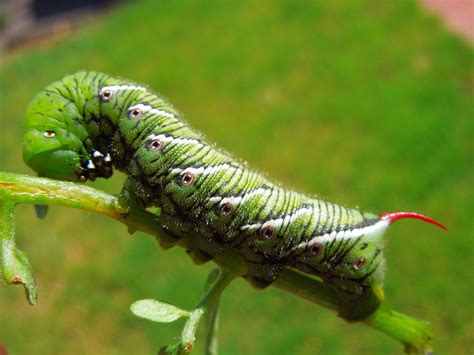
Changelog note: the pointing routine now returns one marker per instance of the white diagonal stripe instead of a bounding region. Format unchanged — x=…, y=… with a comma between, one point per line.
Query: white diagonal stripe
x=279, y=222
x=115, y=88
x=201, y=170
x=215, y=199
x=370, y=231
x=237, y=200
x=152, y=110
x=233, y=200
x=167, y=139
x=248, y=196
x=251, y=226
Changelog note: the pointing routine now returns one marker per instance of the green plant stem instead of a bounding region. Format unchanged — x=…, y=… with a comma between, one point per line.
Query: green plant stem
x=212, y=317
x=414, y=334
x=208, y=302
x=212, y=326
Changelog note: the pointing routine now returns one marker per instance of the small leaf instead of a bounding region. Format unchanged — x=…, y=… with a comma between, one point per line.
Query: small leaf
x=157, y=311
x=16, y=268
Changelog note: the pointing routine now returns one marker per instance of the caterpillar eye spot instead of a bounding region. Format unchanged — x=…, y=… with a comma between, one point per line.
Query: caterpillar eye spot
x=187, y=179
x=155, y=145
x=358, y=263
x=49, y=134
x=315, y=249
x=226, y=209
x=105, y=95
x=268, y=231
x=134, y=113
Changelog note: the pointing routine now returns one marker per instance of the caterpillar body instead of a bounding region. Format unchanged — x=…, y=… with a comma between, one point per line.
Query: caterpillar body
x=83, y=126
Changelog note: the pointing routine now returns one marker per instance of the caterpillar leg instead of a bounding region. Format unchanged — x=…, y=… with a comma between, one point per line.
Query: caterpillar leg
x=172, y=232
x=261, y=276
x=126, y=199
x=199, y=256
x=203, y=249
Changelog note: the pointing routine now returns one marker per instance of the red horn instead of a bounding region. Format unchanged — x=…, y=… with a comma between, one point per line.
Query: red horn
x=395, y=216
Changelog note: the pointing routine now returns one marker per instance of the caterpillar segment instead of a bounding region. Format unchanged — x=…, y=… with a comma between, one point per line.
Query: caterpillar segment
x=82, y=126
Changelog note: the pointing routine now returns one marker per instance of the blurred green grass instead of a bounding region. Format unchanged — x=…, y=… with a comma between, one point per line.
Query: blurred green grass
x=369, y=104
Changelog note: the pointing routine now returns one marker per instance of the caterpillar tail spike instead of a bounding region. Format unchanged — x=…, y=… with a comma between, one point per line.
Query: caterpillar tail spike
x=395, y=216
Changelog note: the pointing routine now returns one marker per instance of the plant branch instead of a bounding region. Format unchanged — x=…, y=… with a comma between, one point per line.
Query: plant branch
x=208, y=302
x=212, y=317
x=414, y=334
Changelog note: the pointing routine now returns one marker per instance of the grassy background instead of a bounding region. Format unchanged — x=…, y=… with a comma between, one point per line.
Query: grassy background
x=367, y=103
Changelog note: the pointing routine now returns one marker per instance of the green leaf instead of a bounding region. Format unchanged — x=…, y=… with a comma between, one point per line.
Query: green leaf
x=157, y=311
x=16, y=268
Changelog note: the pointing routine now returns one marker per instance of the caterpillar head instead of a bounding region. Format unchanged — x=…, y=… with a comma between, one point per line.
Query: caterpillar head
x=58, y=141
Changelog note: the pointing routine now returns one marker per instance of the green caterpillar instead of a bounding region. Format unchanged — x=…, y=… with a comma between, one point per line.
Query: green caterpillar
x=81, y=127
